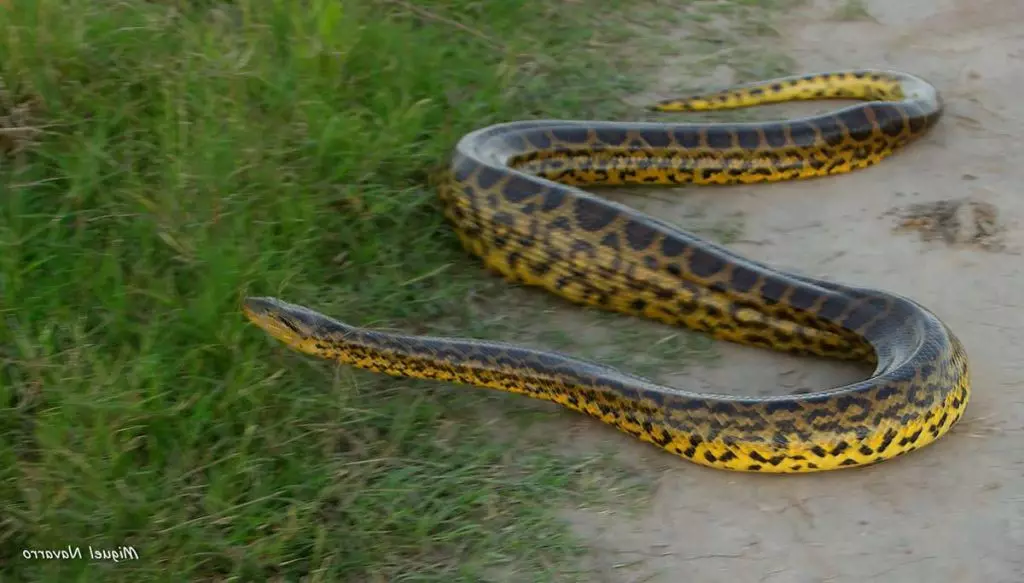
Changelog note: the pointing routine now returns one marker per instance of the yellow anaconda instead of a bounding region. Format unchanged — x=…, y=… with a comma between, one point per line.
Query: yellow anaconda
x=509, y=193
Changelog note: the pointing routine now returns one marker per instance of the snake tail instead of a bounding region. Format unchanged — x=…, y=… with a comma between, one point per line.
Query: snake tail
x=864, y=85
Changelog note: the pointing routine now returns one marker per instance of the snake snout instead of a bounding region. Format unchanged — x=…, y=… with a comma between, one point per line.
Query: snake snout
x=298, y=319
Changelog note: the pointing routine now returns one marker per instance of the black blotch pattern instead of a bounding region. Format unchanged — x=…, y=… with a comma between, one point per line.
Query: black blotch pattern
x=857, y=123
x=687, y=138
x=572, y=135
x=518, y=189
x=639, y=236
x=748, y=139
x=719, y=138
x=742, y=279
x=612, y=136
x=704, y=264
x=592, y=215
x=832, y=308
x=611, y=240
x=553, y=198
x=657, y=139
x=803, y=298
x=890, y=119
x=775, y=136
x=672, y=246
x=831, y=130
x=803, y=133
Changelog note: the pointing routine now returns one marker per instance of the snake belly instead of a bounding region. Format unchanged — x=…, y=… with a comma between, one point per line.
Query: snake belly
x=511, y=194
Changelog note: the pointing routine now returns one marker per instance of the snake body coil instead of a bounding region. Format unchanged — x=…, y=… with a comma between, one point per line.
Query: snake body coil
x=509, y=194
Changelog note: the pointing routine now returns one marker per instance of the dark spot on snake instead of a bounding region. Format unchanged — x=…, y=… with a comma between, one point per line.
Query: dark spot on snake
x=840, y=448
x=776, y=87
x=710, y=457
x=860, y=316
x=748, y=139
x=638, y=235
x=561, y=224
x=727, y=457
x=638, y=305
x=571, y=135
x=672, y=246
x=885, y=392
x=918, y=123
x=742, y=279
x=704, y=264
x=687, y=138
x=757, y=457
x=657, y=138
x=804, y=134
x=514, y=258
x=726, y=408
x=844, y=402
x=754, y=467
x=857, y=123
x=611, y=240
x=832, y=308
x=592, y=215
x=832, y=130
x=553, y=198
x=819, y=451
x=890, y=119
x=581, y=246
x=911, y=438
x=887, y=439
x=487, y=176
x=775, y=136
x=848, y=462
x=773, y=407
x=779, y=439
x=612, y=136
x=674, y=269
x=757, y=91
x=803, y=298
x=518, y=189
x=664, y=294
x=504, y=219
x=540, y=268
x=719, y=138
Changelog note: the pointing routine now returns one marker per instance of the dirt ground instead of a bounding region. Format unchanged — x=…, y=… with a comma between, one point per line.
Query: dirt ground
x=955, y=510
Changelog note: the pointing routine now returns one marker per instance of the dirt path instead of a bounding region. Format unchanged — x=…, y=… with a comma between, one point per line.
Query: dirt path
x=951, y=512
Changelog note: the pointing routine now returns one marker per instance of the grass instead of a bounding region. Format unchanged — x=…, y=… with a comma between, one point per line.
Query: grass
x=163, y=159
x=160, y=160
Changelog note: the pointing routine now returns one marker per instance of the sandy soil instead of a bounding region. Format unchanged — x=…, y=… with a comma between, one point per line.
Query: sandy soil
x=955, y=510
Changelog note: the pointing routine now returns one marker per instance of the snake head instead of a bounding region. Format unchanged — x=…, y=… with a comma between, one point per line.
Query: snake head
x=297, y=326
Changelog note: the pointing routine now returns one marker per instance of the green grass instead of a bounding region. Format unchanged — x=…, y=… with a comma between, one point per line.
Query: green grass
x=161, y=160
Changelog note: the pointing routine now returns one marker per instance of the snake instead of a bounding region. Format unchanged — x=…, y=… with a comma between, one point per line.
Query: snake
x=513, y=194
